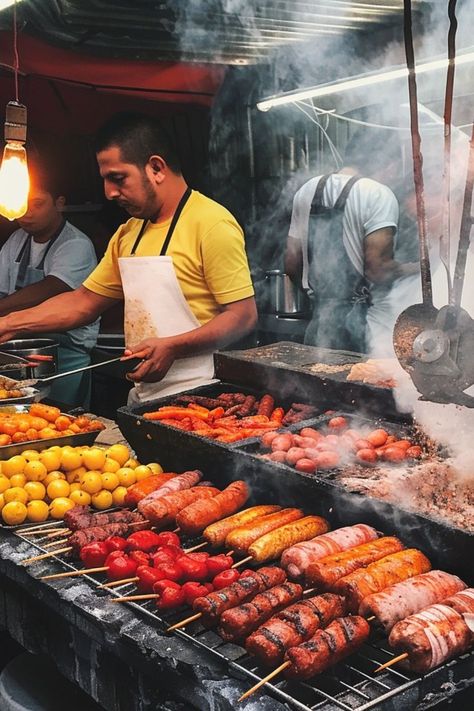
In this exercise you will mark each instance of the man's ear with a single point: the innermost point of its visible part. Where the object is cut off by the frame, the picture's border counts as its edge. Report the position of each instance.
(157, 166)
(60, 203)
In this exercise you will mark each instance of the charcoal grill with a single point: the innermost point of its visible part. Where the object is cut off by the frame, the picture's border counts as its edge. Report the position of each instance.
(350, 686)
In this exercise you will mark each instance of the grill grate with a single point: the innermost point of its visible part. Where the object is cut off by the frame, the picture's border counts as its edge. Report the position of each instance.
(351, 685)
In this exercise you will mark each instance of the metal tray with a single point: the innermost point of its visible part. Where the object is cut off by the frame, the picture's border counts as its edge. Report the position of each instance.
(31, 395)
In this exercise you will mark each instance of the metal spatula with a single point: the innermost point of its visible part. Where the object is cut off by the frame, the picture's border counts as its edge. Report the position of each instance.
(31, 382)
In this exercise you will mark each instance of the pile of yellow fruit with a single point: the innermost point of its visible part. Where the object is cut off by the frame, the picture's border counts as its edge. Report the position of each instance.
(35, 486)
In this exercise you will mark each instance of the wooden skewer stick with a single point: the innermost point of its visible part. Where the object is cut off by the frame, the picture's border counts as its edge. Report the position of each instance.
(391, 662)
(59, 532)
(130, 598)
(371, 618)
(183, 623)
(27, 561)
(74, 573)
(37, 529)
(241, 562)
(117, 583)
(195, 548)
(42, 532)
(310, 591)
(56, 543)
(266, 679)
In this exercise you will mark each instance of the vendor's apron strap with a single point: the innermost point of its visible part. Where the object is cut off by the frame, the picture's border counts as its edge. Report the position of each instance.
(171, 228)
(24, 255)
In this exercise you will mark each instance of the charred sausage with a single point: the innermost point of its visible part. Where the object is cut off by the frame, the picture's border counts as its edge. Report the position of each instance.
(216, 533)
(243, 536)
(165, 509)
(177, 483)
(194, 518)
(138, 491)
(272, 544)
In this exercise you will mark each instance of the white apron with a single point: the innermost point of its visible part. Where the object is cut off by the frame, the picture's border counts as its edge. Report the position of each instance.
(155, 307)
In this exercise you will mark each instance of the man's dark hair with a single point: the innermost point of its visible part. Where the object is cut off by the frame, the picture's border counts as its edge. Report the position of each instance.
(138, 136)
(45, 176)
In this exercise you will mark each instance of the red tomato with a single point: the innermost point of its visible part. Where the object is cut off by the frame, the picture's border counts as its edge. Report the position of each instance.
(367, 455)
(377, 437)
(327, 460)
(414, 452)
(337, 423)
(393, 454)
(306, 465)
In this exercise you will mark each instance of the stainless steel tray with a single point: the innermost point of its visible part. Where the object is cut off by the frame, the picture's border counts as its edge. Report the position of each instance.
(31, 395)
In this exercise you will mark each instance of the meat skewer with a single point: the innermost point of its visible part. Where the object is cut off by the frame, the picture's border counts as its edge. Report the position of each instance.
(78, 520)
(194, 518)
(410, 596)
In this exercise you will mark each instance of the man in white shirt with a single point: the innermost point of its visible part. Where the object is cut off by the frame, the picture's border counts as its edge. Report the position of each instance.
(45, 257)
(340, 248)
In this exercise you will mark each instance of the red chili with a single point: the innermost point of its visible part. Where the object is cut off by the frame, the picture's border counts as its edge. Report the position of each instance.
(193, 569)
(217, 563)
(227, 577)
(114, 555)
(143, 541)
(116, 543)
(160, 585)
(192, 590)
(140, 557)
(161, 557)
(168, 538)
(172, 550)
(147, 577)
(94, 555)
(170, 599)
(171, 571)
(197, 556)
(123, 567)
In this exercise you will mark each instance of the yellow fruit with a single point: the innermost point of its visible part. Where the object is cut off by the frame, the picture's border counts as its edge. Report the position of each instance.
(51, 460)
(110, 465)
(37, 511)
(14, 513)
(126, 476)
(16, 493)
(102, 500)
(35, 490)
(18, 480)
(82, 498)
(155, 467)
(30, 455)
(14, 465)
(93, 458)
(52, 476)
(70, 459)
(35, 471)
(59, 506)
(2, 502)
(118, 495)
(75, 474)
(110, 481)
(142, 472)
(58, 488)
(75, 486)
(131, 463)
(119, 452)
(4, 483)
(91, 482)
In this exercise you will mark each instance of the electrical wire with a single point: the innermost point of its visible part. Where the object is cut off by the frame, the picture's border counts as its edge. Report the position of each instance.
(16, 60)
(335, 153)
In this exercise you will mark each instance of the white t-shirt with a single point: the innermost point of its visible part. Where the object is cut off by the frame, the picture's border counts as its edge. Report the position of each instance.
(369, 207)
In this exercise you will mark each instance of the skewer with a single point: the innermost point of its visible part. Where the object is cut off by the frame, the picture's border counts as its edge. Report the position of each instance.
(117, 583)
(183, 623)
(241, 562)
(42, 532)
(31, 529)
(371, 618)
(27, 561)
(266, 679)
(195, 548)
(131, 598)
(391, 662)
(74, 573)
(56, 543)
(59, 532)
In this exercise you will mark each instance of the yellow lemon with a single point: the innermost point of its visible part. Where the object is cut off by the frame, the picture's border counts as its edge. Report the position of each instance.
(4, 483)
(59, 506)
(102, 500)
(16, 493)
(93, 458)
(82, 498)
(142, 472)
(110, 481)
(118, 495)
(91, 482)
(2, 502)
(51, 460)
(131, 463)
(126, 476)
(58, 488)
(14, 465)
(18, 480)
(111, 465)
(52, 476)
(70, 459)
(155, 467)
(75, 474)
(30, 455)
(119, 452)
(35, 490)
(37, 510)
(75, 486)
(35, 471)
(14, 513)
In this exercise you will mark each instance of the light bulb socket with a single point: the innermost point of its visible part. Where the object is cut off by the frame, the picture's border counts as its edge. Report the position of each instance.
(15, 122)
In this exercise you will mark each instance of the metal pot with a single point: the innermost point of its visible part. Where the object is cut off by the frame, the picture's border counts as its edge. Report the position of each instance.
(282, 296)
(26, 347)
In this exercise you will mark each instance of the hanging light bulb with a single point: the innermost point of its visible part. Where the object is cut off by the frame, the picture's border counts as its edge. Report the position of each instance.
(14, 179)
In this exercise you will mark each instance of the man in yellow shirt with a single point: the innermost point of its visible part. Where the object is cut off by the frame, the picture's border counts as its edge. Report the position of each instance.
(179, 264)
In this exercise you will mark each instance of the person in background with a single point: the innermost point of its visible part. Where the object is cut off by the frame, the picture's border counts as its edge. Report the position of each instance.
(179, 264)
(47, 256)
(340, 248)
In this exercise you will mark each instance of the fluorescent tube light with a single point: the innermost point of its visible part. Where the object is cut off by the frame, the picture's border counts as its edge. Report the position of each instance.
(369, 79)
(7, 3)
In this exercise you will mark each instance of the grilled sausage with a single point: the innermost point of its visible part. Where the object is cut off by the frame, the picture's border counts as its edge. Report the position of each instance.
(138, 491)
(403, 599)
(177, 483)
(272, 544)
(194, 518)
(380, 575)
(238, 622)
(327, 647)
(98, 533)
(243, 536)
(462, 602)
(296, 559)
(213, 605)
(266, 405)
(165, 509)
(87, 520)
(431, 637)
(325, 572)
(293, 626)
(217, 532)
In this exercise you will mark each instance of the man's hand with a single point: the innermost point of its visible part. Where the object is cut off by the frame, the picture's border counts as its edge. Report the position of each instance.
(6, 332)
(157, 356)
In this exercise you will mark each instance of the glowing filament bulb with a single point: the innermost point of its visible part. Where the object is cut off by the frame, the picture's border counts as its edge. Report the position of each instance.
(14, 181)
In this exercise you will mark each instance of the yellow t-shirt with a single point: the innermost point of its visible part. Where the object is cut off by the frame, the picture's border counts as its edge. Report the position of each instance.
(208, 252)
